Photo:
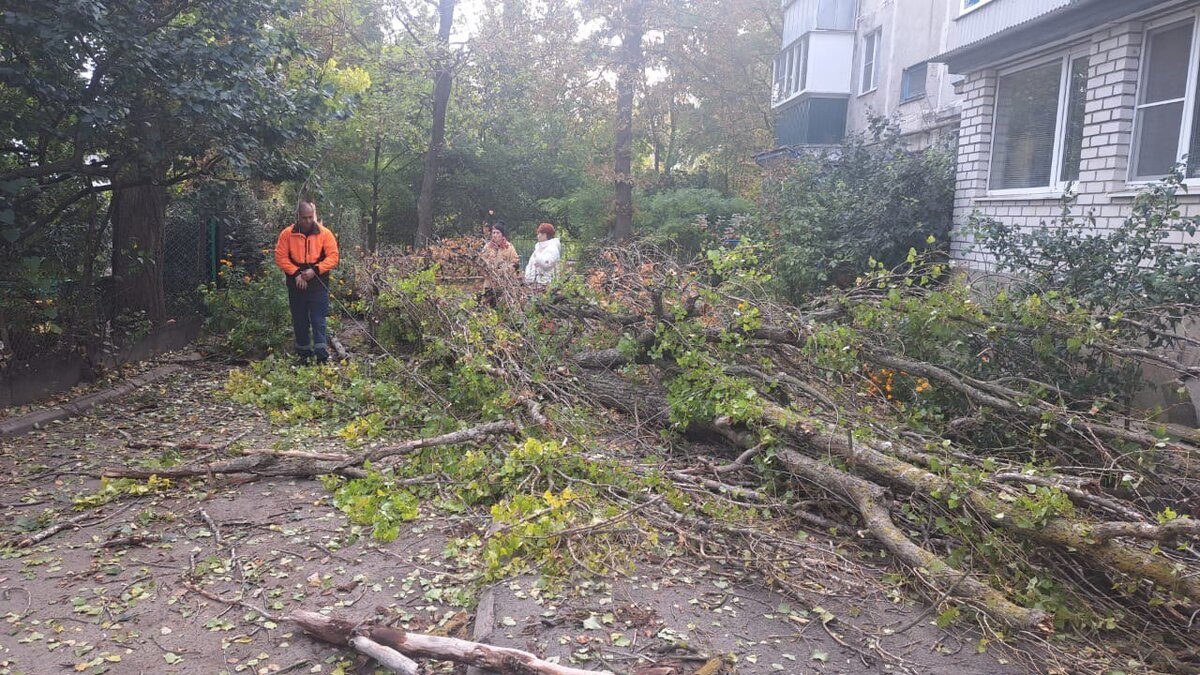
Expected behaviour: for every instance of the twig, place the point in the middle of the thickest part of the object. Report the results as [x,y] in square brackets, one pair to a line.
[212,525]
[230,602]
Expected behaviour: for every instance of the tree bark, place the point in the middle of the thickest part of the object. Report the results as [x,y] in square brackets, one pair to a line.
[442,81]
[629,68]
[373,224]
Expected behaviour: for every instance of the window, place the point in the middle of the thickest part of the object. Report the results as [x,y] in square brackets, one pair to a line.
[790,71]
[801,80]
[968,5]
[1073,134]
[870,59]
[835,14]
[813,121]
[1164,132]
[1037,137]
[912,82]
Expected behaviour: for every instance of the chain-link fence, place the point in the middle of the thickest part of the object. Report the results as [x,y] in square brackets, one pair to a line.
[190,260]
[50,308]
[571,250]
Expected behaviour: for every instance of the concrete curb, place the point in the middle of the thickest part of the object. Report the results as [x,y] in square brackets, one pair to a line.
[485,623]
[25,423]
[485,613]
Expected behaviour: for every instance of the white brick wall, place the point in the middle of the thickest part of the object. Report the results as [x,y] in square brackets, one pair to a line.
[1114,58]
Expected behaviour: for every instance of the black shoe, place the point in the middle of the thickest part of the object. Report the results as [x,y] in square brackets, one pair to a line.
[322,356]
[304,357]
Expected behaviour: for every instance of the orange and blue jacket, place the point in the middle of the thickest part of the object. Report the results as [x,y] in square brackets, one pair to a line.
[296,251]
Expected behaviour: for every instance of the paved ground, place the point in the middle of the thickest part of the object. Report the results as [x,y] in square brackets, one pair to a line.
[78,603]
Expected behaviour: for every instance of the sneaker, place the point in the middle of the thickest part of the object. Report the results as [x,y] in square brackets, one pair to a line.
[322,356]
[304,357]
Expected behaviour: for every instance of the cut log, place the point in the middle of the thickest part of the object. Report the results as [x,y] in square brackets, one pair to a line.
[386,656]
[338,631]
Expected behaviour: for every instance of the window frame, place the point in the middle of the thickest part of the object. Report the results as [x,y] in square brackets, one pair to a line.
[1184,139]
[875,37]
[906,82]
[1057,186]
[964,9]
[790,59]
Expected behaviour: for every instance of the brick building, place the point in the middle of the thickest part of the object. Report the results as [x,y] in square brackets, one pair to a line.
[842,61]
[1095,97]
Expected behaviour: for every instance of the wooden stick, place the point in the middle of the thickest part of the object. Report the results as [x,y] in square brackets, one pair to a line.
[503,660]
[452,438]
[386,656]
[54,529]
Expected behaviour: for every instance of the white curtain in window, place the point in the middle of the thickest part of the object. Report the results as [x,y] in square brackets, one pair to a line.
[1026,119]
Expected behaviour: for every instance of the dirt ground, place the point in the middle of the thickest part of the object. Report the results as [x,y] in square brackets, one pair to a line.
[136,585]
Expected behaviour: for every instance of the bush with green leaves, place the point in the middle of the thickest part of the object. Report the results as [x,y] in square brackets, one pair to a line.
[249,311]
[1131,273]
[829,213]
[688,220]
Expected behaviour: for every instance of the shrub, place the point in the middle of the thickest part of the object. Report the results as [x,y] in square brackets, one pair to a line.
[1129,273]
[830,213]
[688,219]
[249,310]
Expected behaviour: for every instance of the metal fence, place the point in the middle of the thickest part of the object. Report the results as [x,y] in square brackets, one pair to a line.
[571,250]
[60,314]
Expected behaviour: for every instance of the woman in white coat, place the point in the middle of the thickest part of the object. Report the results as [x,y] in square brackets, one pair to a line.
[543,263]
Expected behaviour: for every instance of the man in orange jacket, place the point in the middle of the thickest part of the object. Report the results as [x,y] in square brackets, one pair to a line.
[307,252]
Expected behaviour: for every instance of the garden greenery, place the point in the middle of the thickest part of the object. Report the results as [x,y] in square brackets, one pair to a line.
[829,212]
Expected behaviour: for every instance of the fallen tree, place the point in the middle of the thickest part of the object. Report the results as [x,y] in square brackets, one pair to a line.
[989,445]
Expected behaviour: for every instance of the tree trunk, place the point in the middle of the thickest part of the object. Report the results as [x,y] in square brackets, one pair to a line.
[139,214]
[628,71]
[443,79]
[373,224]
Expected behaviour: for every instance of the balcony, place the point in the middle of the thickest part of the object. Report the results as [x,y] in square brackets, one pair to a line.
[816,63]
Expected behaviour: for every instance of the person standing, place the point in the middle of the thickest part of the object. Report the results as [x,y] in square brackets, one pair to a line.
[500,264]
[543,262]
[306,252]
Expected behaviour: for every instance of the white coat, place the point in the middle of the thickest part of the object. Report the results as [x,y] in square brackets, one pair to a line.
[543,262]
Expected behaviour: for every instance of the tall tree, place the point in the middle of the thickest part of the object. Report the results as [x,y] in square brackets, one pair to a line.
[443,80]
[134,96]
[632,28]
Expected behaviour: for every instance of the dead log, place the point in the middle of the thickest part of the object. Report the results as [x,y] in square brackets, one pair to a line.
[385,656]
[1172,529]
[1066,534]
[502,660]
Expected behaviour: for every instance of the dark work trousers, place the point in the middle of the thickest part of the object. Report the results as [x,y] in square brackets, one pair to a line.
[309,309]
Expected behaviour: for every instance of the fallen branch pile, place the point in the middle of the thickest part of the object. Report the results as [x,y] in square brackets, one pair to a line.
[989,445]
[904,405]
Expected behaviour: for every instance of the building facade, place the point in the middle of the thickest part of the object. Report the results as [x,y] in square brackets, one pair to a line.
[1097,98]
[842,62]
